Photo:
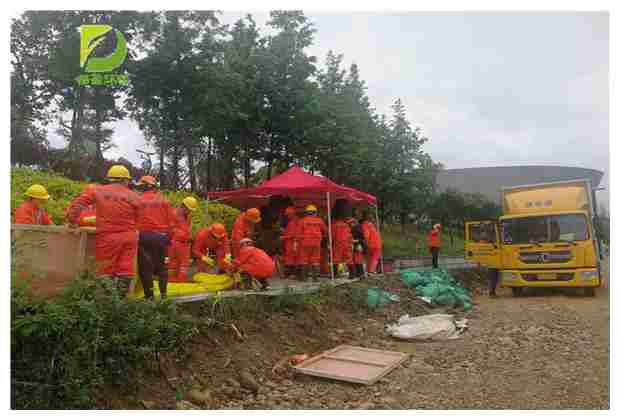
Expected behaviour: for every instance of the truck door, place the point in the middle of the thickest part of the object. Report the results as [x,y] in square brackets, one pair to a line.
[482,243]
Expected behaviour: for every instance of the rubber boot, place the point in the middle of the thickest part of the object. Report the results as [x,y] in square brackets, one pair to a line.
[359,270]
[352,271]
[303,273]
[163,286]
[335,270]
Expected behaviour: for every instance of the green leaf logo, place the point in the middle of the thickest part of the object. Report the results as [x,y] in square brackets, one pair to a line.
[93,35]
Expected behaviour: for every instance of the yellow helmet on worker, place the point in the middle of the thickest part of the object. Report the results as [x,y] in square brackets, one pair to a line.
[190,203]
[118,172]
[253,215]
[311,208]
[37,191]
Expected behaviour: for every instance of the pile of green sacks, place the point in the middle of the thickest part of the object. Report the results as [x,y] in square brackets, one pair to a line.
[438,286]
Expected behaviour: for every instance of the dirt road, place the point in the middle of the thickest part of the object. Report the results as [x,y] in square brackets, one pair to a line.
[545,350]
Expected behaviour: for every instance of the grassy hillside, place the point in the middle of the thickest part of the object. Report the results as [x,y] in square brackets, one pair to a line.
[413,244]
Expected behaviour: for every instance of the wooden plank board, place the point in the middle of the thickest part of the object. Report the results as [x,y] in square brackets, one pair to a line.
[352,364]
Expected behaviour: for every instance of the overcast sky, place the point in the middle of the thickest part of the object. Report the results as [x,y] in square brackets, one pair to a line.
[487,89]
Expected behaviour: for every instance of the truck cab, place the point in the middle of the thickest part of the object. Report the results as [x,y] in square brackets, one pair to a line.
[553,244]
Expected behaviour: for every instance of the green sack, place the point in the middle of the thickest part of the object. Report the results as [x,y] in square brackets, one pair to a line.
[411,278]
[377,297]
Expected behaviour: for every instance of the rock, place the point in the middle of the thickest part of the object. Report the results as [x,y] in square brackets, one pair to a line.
[340,332]
[186,405]
[247,381]
[199,397]
[149,405]
[229,392]
[367,405]
[271,384]
[232,383]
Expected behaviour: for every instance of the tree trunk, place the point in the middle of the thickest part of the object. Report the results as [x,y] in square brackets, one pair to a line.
[162,158]
[209,148]
[190,165]
[403,221]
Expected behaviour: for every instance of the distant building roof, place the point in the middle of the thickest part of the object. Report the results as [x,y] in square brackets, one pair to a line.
[489,181]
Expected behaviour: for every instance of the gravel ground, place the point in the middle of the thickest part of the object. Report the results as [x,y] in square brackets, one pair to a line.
[546,350]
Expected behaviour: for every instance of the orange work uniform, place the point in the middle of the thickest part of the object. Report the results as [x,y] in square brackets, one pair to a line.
[116,209]
[374,243]
[312,230]
[242,228]
[204,242]
[179,252]
[28,213]
[255,262]
[343,242]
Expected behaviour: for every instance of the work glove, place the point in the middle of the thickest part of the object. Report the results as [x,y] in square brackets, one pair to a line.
[359,248]
[208,260]
[90,220]
[228,259]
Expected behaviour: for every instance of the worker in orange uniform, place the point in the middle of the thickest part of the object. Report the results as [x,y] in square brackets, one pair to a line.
[212,239]
[434,243]
[244,228]
[117,229]
[290,241]
[179,253]
[253,263]
[343,245]
[30,212]
[373,242]
[155,223]
[312,230]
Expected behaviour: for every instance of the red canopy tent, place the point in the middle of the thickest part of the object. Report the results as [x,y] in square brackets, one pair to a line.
[303,188]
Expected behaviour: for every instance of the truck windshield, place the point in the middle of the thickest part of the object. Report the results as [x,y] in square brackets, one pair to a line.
[538,229]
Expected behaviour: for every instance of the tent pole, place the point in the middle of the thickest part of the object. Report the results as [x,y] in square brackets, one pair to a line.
[207,210]
[379,229]
[329,230]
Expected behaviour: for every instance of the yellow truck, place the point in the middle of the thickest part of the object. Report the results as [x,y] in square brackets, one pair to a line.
[545,237]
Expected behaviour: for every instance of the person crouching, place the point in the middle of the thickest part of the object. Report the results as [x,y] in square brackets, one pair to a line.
[253,263]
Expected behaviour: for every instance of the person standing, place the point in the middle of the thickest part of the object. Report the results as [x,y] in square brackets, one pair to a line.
[179,252]
[212,239]
[117,228]
[493,274]
[434,243]
[290,242]
[155,223]
[312,230]
[30,212]
[372,237]
[343,245]
[244,228]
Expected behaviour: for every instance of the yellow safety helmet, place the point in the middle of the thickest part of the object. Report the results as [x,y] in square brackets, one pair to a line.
[118,171]
[311,207]
[191,203]
[37,191]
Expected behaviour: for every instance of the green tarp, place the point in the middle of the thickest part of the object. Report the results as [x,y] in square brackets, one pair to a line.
[438,286]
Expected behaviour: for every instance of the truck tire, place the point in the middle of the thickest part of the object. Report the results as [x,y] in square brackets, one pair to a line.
[589,291]
[517,291]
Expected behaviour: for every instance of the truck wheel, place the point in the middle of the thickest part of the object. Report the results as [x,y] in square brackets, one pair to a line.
[517,291]
[589,292]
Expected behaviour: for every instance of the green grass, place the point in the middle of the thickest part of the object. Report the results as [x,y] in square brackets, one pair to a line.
[413,244]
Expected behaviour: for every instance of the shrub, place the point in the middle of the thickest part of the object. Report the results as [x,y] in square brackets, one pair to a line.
[62,350]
